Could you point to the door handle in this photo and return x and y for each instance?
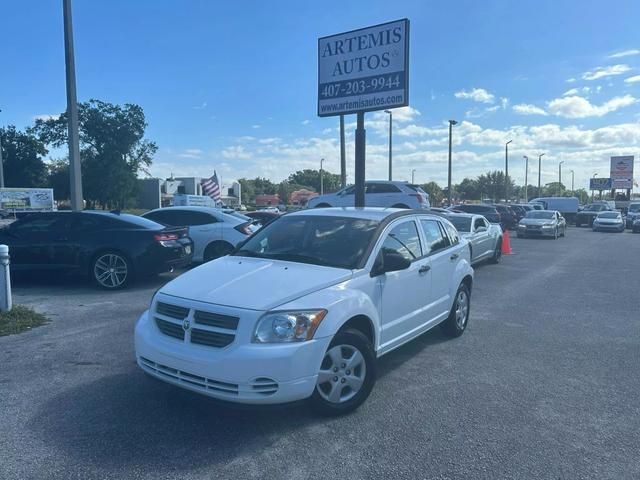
(424, 269)
(454, 256)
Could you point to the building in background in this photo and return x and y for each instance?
(267, 200)
(156, 193)
(301, 197)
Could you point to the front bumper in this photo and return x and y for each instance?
(612, 227)
(537, 232)
(242, 373)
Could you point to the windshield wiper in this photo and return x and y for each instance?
(295, 257)
(243, 252)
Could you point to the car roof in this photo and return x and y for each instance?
(463, 215)
(191, 208)
(367, 213)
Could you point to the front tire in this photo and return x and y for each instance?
(497, 254)
(456, 323)
(347, 374)
(111, 270)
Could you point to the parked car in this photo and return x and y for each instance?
(633, 213)
(519, 211)
(542, 223)
(262, 217)
(485, 239)
(110, 248)
(487, 211)
(305, 306)
(608, 221)
(377, 194)
(269, 209)
(508, 218)
(589, 213)
(636, 225)
(214, 232)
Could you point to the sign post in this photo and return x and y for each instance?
(362, 71)
(622, 172)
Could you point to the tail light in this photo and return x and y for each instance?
(244, 228)
(165, 237)
(418, 196)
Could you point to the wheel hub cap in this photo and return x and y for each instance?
(341, 374)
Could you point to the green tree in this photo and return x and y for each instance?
(310, 179)
(113, 149)
(22, 154)
(468, 189)
(492, 185)
(435, 192)
(59, 179)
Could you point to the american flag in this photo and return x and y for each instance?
(211, 186)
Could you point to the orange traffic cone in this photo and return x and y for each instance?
(506, 244)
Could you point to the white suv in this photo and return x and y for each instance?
(303, 308)
(378, 193)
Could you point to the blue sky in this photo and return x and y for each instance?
(232, 85)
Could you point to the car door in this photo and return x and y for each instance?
(204, 228)
(442, 261)
(483, 240)
(403, 294)
(38, 243)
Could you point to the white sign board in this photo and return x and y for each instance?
(622, 172)
(182, 200)
(26, 199)
(364, 70)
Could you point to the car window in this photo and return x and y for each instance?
(350, 191)
(166, 217)
(403, 239)
(477, 223)
(86, 222)
(381, 188)
(454, 239)
(179, 217)
(435, 238)
(43, 223)
(197, 218)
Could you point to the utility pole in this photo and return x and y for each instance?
(361, 145)
(343, 157)
(539, 171)
(413, 173)
(72, 111)
(526, 180)
(321, 177)
(560, 177)
(572, 179)
(1, 164)
(506, 171)
(390, 134)
(593, 191)
(451, 124)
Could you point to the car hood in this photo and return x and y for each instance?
(536, 221)
(253, 283)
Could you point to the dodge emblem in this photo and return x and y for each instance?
(186, 324)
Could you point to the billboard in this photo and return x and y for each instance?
(622, 172)
(364, 70)
(26, 199)
(599, 183)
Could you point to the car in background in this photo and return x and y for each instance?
(485, 239)
(377, 194)
(330, 291)
(214, 232)
(608, 221)
(542, 223)
(590, 212)
(636, 226)
(110, 248)
(262, 217)
(633, 213)
(487, 211)
(567, 206)
(519, 211)
(508, 218)
(269, 209)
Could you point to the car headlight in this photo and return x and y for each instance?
(293, 326)
(547, 225)
(522, 225)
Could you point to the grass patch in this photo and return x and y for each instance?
(20, 319)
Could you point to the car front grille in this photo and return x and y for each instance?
(213, 329)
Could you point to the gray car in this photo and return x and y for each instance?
(542, 223)
(608, 222)
(485, 238)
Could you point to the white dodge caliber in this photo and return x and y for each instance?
(304, 307)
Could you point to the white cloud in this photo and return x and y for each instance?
(46, 116)
(327, 131)
(306, 122)
(579, 107)
(237, 152)
(625, 53)
(608, 71)
(571, 80)
(635, 78)
(269, 141)
(476, 94)
(191, 153)
(202, 106)
(528, 109)
(504, 102)
(255, 126)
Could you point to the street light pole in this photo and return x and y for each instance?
(1, 164)
(526, 173)
(343, 157)
(72, 111)
(506, 171)
(413, 172)
(451, 124)
(539, 170)
(560, 177)
(390, 134)
(321, 177)
(572, 179)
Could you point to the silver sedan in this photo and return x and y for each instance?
(542, 223)
(485, 238)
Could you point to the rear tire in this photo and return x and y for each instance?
(346, 376)
(216, 250)
(458, 319)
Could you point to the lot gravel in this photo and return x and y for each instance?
(544, 384)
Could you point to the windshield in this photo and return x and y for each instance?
(329, 241)
(609, 215)
(462, 224)
(540, 214)
(594, 208)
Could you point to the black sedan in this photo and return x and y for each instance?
(487, 211)
(111, 248)
(587, 215)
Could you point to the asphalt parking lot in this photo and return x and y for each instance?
(543, 384)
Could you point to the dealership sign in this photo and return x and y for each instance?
(364, 70)
(622, 172)
(600, 184)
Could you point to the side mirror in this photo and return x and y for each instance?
(389, 262)
(481, 229)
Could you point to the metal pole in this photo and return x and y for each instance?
(506, 171)
(72, 111)
(1, 164)
(526, 173)
(361, 141)
(539, 171)
(390, 149)
(413, 172)
(572, 179)
(6, 303)
(343, 157)
(321, 177)
(560, 178)
(451, 124)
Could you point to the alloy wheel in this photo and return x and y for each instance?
(110, 270)
(462, 309)
(341, 374)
